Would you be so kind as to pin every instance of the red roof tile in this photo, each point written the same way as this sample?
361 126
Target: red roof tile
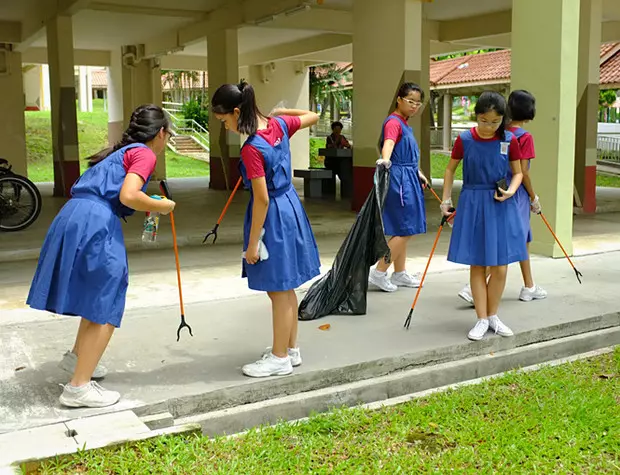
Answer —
474 68
610 70
439 69
99 78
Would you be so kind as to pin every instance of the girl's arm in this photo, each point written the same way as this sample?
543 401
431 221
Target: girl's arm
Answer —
308 118
448 182
527 181
259 214
133 197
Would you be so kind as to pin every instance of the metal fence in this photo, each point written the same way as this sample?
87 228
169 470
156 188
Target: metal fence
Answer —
608 147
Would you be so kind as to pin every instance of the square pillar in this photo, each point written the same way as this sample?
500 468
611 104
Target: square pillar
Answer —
64 114
223 66
85 97
12 121
285 85
587 103
447 122
115 97
141 81
556 93
382 63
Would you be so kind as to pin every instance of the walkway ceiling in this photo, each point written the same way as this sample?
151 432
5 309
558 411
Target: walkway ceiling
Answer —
268 30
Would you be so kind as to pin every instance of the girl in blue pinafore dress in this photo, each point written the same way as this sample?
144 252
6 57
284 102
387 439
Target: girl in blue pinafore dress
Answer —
522 109
487 230
275 220
82 269
404 212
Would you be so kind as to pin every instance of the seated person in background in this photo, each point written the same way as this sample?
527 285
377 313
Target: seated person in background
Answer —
336 139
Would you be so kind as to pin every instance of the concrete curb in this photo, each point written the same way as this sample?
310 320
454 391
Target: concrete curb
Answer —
299 406
272 388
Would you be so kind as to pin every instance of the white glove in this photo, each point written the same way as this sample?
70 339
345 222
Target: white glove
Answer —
535 206
263 253
384 163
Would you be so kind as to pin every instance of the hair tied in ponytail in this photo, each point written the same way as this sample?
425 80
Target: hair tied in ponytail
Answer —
242 85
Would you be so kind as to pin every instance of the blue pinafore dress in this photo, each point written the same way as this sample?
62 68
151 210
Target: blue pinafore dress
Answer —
404 212
486 232
82 269
522 197
293 252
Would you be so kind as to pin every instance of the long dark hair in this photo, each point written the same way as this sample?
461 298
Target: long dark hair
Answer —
145 123
229 97
407 88
493 101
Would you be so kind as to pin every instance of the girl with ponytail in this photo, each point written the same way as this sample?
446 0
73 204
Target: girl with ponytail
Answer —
275 220
82 269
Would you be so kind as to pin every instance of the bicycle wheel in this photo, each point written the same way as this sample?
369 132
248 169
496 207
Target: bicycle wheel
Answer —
20 203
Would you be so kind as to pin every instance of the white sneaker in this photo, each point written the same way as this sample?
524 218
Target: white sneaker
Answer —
403 279
69 362
499 327
293 353
466 294
535 293
89 395
380 279
269 365
480 328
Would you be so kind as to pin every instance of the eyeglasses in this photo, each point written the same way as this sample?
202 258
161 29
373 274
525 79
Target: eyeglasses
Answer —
413 103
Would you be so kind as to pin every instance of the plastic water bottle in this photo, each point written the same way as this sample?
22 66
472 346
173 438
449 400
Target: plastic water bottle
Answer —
151 224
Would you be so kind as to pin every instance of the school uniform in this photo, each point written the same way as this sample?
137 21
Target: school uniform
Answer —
293 252
404 212
522 198
82 269
486 232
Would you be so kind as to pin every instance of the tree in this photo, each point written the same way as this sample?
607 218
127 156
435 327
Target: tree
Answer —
467 53
182 83
606 99
326 86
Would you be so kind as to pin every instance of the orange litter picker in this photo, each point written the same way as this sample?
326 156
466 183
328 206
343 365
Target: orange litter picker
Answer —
444 220
213 232
578 274
163 186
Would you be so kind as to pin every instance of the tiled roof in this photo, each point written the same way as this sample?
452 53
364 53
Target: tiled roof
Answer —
473 68
495 66
99 78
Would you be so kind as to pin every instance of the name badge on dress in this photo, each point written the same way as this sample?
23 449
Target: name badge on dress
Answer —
504 148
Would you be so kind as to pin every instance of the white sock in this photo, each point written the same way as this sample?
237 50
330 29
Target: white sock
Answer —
491 316
531 289
75 389
278 358
379 272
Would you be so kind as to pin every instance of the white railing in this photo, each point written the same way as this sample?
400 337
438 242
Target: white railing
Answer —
437 135
187 127
608 147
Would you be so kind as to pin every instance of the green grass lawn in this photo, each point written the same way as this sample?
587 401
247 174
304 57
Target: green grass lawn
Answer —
92 137
563 419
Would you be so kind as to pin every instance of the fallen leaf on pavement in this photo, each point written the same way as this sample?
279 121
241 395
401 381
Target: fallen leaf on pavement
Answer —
327 326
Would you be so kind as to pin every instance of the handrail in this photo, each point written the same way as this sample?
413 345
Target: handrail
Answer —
188 127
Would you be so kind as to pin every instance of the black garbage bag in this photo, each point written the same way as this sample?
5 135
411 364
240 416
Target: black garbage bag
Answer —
342 291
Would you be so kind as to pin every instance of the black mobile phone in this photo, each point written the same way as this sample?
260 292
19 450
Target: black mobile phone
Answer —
501 184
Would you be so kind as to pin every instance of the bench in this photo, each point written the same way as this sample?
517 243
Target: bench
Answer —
318 182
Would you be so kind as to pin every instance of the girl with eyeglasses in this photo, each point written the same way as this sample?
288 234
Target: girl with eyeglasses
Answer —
404 213
487 231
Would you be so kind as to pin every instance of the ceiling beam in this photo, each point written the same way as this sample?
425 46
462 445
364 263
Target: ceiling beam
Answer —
233 14
184 62
456 31
318 19
10 32
38 17
138 10
610 31
292 49
81 57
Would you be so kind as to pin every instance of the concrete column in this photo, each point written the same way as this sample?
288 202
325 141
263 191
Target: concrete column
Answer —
141 80
114 97
85 96
587 103
556 93
223 67
400 56
64 115
12 125
447 122
288 85
46 95
32 86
